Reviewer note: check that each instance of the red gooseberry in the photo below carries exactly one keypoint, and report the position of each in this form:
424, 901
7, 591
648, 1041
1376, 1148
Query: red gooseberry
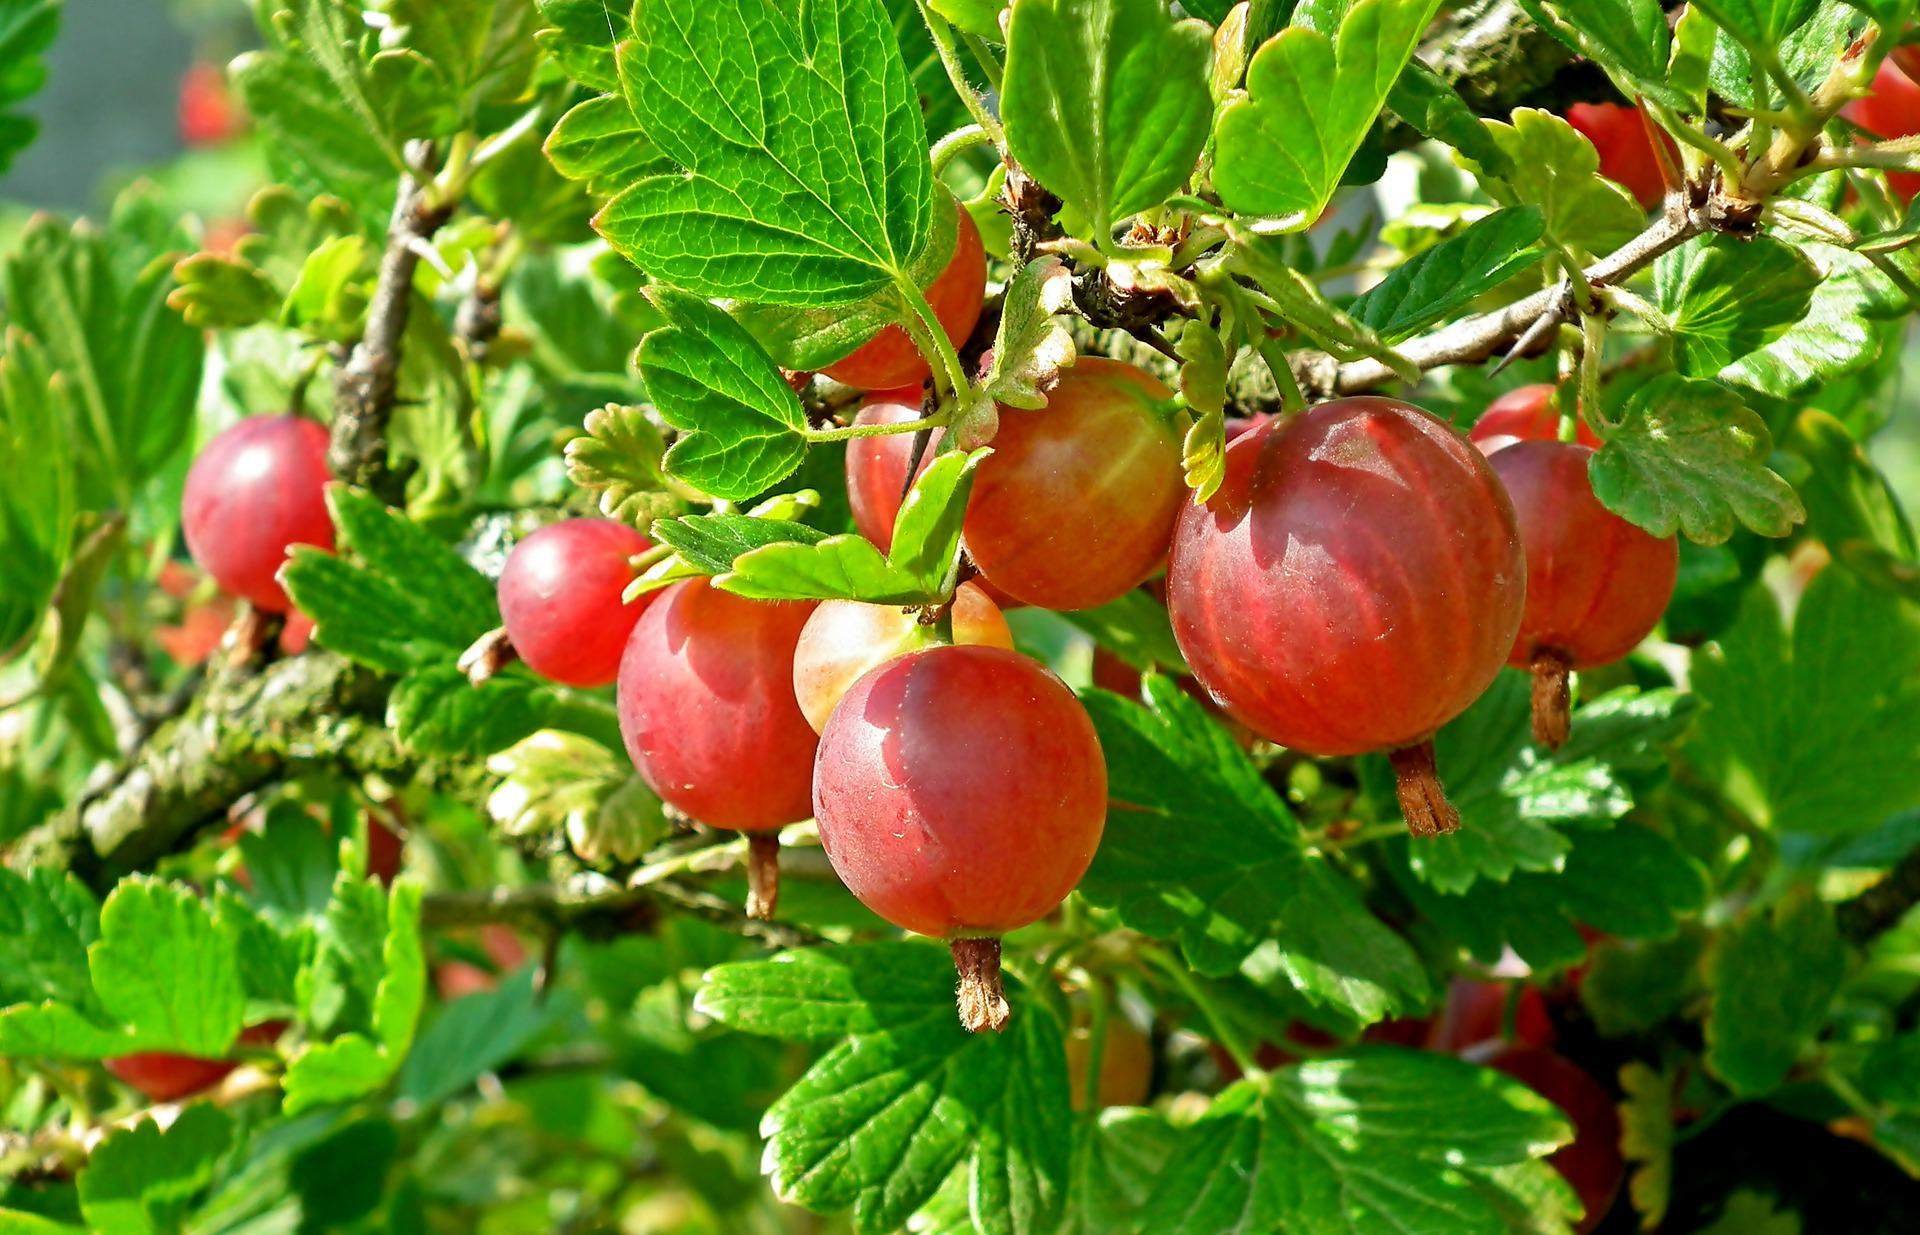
1354, 584
1592, 1163
258, 489
845, 638
1476, 1013
889, 359
961, 793
1125, 1076
167, 1076
560, 599
1627, 156
1596, 584
1524, 415
1890, 111
1077, 503
708, 715
877, 466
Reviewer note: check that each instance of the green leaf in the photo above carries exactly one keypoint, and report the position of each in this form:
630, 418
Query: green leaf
1106, 103
1032, 343
619, 456
163, 967
27, 29
95, 299
221, 293
806, 177
406, 600
580, 36
1312, 96
1689, 457
1379, 1140
1626, 880
143, 1181
435, 710
981, 17
926, 532
1302, 303
472, 53
1816, 729
1852, 508
328, 298
1759, 23
47, 921
474, 1035
1632, 986
1429, 103
1556, 169
741, 426
38, 502
1626, 36
356, 1064
1439, 282
1514, 800
881, 1119
1646, 1140
1771, 978
711, 543
1182, 795
600, 143
1727, 298
1136, 629
1836, 336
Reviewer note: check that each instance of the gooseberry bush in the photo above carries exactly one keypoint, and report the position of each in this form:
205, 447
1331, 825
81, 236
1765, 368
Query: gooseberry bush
1100, 616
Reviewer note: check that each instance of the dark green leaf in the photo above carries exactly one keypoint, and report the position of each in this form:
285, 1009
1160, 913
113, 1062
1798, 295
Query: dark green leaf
1627, 36
1852, 508
27, 28
1771, 978
1836, 336
47, 921
1134, 628
1428, 102
474, 1035
581, 35
142, 1181
1439, 282
1727, 298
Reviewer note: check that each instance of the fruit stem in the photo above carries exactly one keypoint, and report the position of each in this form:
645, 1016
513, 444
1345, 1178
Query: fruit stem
763, 875
981, 1001
1423, 800
1551, 697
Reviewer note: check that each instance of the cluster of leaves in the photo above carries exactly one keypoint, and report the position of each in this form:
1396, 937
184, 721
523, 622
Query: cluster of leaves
672, 202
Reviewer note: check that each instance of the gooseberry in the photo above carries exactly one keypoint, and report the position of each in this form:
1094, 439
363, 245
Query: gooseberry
167, 1076
1354, 584
1592, 1163
845, 638
1524, 415
1476, 1013
960, 793
1891, 110
560, 599
877, 466
1077, 502
1627, 157
1125, 1077
1596, 584
707, 712
258, 489
889, 359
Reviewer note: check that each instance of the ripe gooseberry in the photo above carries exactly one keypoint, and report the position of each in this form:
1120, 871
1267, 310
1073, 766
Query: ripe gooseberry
1596, 584
961, 793
1354, 584
167, 1076
1077, 503
1627, 156
1524, 415
1476, 1013
560, 599
1592, 1163
877, 466
707, 712
845, 638
258, 489
1125, 1076
1891, 110
889, 359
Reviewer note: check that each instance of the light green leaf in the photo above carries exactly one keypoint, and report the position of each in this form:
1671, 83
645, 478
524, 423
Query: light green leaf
216, 292
580, 36
1816, 729
600, 143
711, 543
1442, 280
1759, 23
1105, 103
355, 1064
981, 17
1381, 1140
1429, 103
142, 1181
1836, 336
1311, 98
1032, 344
1689, 457
806, 177
1646, 1140
1771, 978
1302, 303
1628, 37
435, 710
1557, 169
38, 504
1726, 298
476, 52
741, 426
164, 968
926, 532
620, 455
1852, 508
47, 921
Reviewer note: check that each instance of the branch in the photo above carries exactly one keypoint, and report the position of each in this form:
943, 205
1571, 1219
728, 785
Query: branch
594, 903
364, 387
1881, 907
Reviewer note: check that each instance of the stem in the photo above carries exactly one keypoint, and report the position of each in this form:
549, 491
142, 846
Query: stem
955, 143
983, 55
935, 346
942, 35
1552, 696
1099, 1011
763, 874
1423, 799
847, 433
1224, 1030
980, 998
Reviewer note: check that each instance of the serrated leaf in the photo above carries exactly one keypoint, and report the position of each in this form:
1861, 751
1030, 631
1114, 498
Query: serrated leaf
1312, 96
600, 144
292, 863
406, 600
1816, 729
143, 1181
1182, 793
356, 1063
1105, 103
476, 52
1448, 277
1851, 506
474, 1035
48, 919
435, 710
164, 968
221, 293
1688, 456
1032, 344
806, 178
1759, 22
1726, 298
328, 298
1770, 979
711, 543
1553, 167
1626, 880
619, 455
580, 36
1836, 336
1626, 36
1646, 1140
741, 426
881, 1120
550, 779
39, 502
1300, 302
1380, 1140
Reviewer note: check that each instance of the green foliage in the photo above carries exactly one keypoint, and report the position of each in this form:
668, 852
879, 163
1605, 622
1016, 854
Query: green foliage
1771, 977
27, 29
1452, 274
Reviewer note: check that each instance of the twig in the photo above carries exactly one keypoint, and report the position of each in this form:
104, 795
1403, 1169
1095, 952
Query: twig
1881, 907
